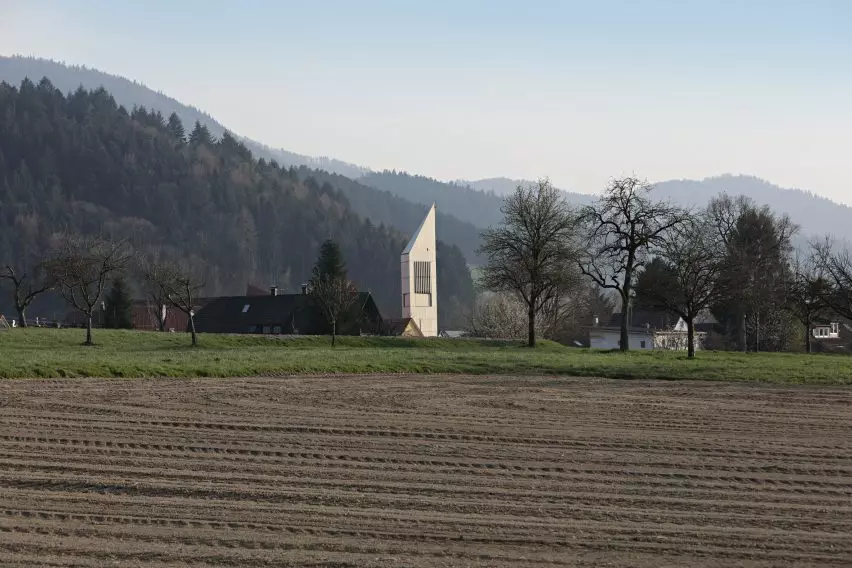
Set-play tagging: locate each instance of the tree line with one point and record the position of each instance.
(734, 258)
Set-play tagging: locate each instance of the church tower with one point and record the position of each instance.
(420, 277)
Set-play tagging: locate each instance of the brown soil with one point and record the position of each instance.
(423, 471)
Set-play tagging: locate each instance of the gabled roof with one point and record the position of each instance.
(416, 234)
(396, 327)
(646, 320)
(295, 313)
(662, 321)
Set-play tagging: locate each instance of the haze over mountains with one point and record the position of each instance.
(393, 198)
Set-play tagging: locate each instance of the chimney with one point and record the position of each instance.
(304, 288)
(273, 290)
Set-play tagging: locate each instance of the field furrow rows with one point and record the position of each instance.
(423, 471)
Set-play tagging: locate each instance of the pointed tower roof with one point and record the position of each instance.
(429, 216)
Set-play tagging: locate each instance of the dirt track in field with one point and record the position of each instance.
(423, 471)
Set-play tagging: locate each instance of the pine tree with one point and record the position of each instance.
(330, 262)
(118, 306)
(200, 135)
(175, 126)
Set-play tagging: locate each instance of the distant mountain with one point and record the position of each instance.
(814, 214)
(464, 206)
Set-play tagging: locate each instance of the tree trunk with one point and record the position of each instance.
(624, 337)
(22, 316)
(89, 330)
(743, 334)
(757, 332)
(808, 336)
(531, 333)
(192, 329)
(690, 338)
(624, 340)
(333, 332)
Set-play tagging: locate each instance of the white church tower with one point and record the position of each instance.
(420, 277)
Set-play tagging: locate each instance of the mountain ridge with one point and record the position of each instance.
(464, 205)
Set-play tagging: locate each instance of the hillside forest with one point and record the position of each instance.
(82, 165)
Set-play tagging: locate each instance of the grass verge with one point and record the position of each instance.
(59, 353)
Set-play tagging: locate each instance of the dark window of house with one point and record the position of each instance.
(266, 329)
(422, 277)
(642, 345)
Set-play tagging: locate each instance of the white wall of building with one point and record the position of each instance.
(419, 280)
(609, 339)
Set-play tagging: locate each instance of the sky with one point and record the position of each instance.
(576, 91)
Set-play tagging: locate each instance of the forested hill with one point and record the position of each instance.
(83, 164)
(379, 206)
(68, 78)
(383, 207)
(481, 208)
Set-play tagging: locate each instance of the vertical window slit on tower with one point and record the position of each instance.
(422, 277)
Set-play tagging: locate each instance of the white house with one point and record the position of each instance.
(826, 330)
(650, 330)
(420, 277)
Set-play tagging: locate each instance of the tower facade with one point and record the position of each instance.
(420, 277)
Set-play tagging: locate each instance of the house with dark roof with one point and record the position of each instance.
(284, 314)
(651, 330)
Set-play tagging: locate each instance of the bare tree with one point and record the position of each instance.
(27, 286)
(155, 279)
(683, 279)
(168, 284)
(622, 228)
(183, 295)
(532, 253)
(808, 294)
(836, 263)
(81, 270)
(334, 296)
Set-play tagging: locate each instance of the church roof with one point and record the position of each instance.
(416, 234)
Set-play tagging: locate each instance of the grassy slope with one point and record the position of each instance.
(59, 353)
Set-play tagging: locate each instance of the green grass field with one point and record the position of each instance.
(60, 353)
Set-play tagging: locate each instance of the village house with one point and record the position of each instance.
(283, 314)
(651, 330)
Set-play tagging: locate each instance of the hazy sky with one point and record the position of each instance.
(578, 91)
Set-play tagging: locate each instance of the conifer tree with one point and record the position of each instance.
(118, 306)
(175, 126)
(330, 262)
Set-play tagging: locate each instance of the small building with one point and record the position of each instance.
(284, 314)
(651, 330)
(453, 333)
(403, 327)
(825, 329)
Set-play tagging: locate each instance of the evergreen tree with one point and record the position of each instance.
(175, 126)
(200, 135)
(330, 262)
(118, 306)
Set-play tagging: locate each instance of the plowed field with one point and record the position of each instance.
(423, 471)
